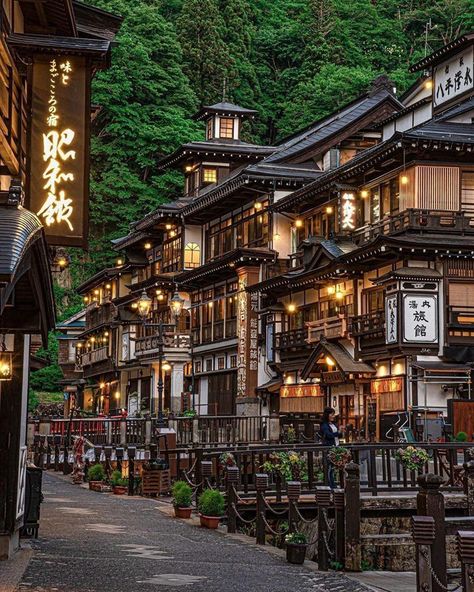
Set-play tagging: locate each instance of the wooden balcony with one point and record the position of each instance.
(422, 221)
(99, 314)
(369, 330)
(292, 345)
(101, 354)
(331, 328)
(460, 325)
(146, 346)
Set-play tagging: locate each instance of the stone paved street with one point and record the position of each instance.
(90, 542)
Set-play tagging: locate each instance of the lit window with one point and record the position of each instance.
(226, 129)
(221, 363)
(191, 256)
(209, 128)
(210, 176)
(233, 361)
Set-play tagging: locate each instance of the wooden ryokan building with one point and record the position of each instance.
(333, 268)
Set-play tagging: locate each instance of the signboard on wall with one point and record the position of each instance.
(453, 78)
(420, 318)
(59, 144)
(391, 318)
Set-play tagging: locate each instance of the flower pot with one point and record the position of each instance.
(295, 553)
(119, 489)
(209, 521)
(182, 512)
(95, 485)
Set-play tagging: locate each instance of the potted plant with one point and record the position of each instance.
(96, 477)
(119, 483)
(339, 456)
(411, 458)
(296, 544)
(211, 507)
(182, 499)
(227, 459)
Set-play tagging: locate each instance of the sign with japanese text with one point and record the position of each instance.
(247, 334)
(420, 318)
(453, 78)
(391, 319)
(348, 211)
(386, 385)
(301, 390)
(58, 190)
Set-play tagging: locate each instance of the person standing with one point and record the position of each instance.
(330, 435)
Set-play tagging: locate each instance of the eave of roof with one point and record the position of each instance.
(224, 108)
(443, 52)
(100, 276)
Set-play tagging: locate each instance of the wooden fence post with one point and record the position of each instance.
(233, 478)
(148, 431)
(469, 486)
(353, 551)
(49, 449)
(131, 451)
(206, 472)
(37, 449)
(423, 532)
(430, 502)
(57, 443)
(123, 431)
(119, 456)
(97, 454)
(466, 555)
(261, 485)
(198, 472)
(323, 500)
(293, 491)
(339, 524)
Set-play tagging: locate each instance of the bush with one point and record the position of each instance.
(211, 503)
(297, 538)
(96, 473)
(116, 477)
(182, 494)
(461, 437)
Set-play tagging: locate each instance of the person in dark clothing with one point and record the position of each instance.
(330, 435)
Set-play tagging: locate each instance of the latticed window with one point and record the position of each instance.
(226, 127)
(191, 255)
(209, 175)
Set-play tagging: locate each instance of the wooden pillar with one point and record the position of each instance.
(353, 551)
(423, 532)
(430, 502)
(131, 451)
(261, 485)
(232, 482)
(13, 417)
(293, 491)
(339, 523)
(465, 542)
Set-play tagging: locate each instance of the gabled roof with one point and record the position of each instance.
(335, 123)
(344, 360)
(444, 52)
(95, 22)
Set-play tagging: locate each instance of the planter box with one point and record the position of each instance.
(183, 512)
(295, 553)
(209, 521)
(119, 489)
(156, 482)
(95, 485)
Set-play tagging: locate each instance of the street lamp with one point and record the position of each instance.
(144, 305)
(176, 305)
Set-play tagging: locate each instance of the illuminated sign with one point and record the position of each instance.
(386, 385)
(58, 190)
(348, 211)
(453, 78)
(300, 390)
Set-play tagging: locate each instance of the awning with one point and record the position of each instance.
(271, 386)
(343, 359)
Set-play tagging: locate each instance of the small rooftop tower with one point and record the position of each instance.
(223, 121)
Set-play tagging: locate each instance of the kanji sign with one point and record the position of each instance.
(453, 78)
(391, 319)
(420, 318)
(59, 141)
(348, 212)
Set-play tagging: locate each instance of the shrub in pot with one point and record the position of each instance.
(211, 505)
(96, 476)
(119, 483)
(296, 544)
(182, 499)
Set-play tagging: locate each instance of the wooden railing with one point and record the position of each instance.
(146, 345)
(289, 339)
(369, 325)
(417, 220)
(219, 430)
(99, 314)
(96, 355)
(330, 328)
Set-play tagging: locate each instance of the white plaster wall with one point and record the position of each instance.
(203, 395)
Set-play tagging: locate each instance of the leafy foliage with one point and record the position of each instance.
(182, 494)
(96, 473)
(211, 503)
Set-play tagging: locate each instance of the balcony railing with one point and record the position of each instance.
(97, 315)
(94, 356)
(291, 339)
(151, 343)
(369, 325)
(331, 327)
(417, 220)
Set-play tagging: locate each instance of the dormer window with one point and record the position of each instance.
(226, 128)
(209, 175)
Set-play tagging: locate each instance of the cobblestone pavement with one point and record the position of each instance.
(90, 542)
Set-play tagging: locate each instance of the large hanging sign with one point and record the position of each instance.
(420, 319)
(391, 319)
(58, 189)
(453, 78)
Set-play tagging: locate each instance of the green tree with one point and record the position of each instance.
(207, 61)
